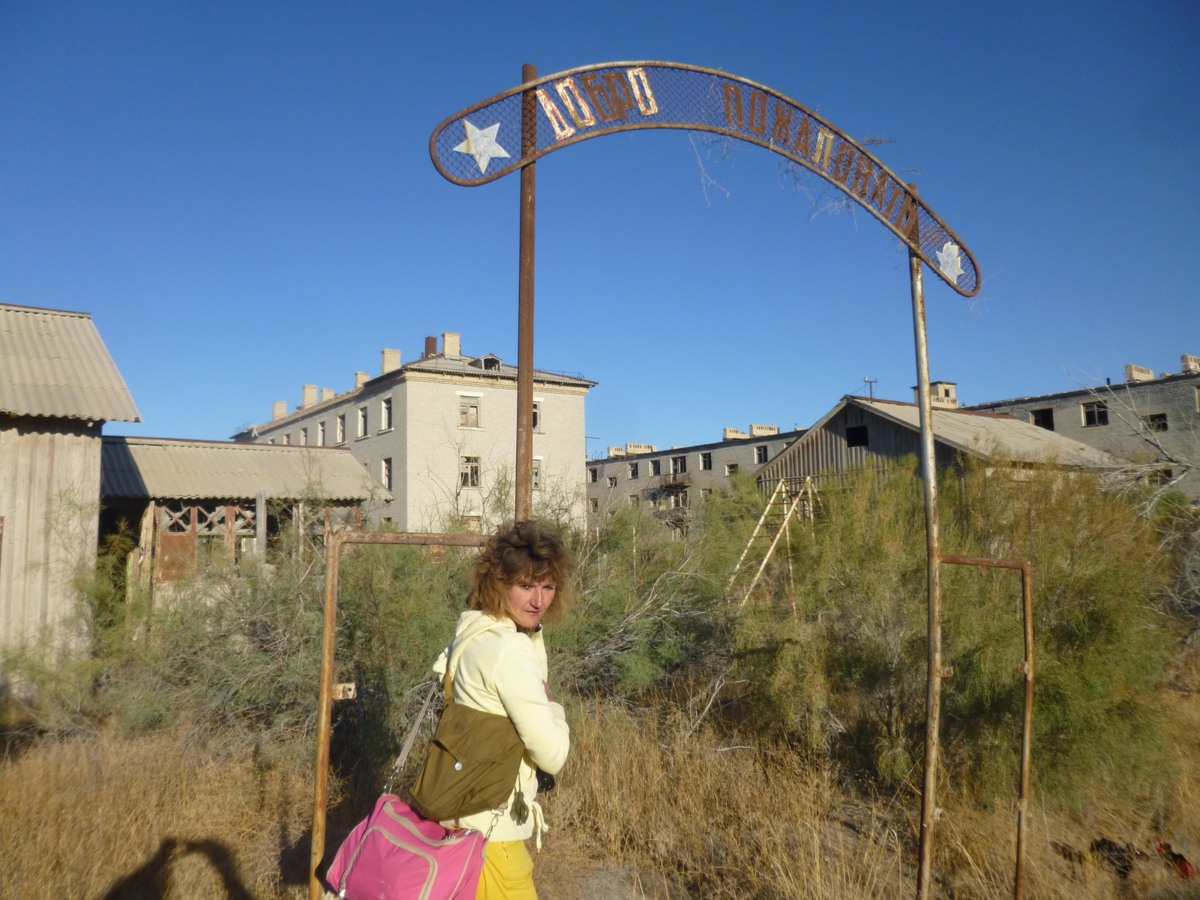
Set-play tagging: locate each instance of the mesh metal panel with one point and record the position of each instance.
(487, 141)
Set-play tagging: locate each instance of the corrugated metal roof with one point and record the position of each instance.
(992, 436)
(53, 363)
(165, 468)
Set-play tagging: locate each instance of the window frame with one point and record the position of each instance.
(656, 466)
(1043, 413)
(730, 468)
(466, 404)
(706, 462)
(469, 471)
(1097, 410)
(385, 414)
(341, 428)
(385, 472)
(679, 465)
(633, 471)
(321, 433)
(364, 422)
(761, 455)
(1151, 422)
(535, 474)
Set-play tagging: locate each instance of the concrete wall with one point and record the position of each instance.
(49, 498)
(1176, 396)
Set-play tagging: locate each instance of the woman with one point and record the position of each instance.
(498, 659)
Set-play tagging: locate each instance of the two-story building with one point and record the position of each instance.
(638, 474)
(439, 433)
(1147, 419)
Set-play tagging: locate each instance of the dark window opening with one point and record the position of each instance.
(706, 462)
(760, 454)
(656, 467)
(1155, 422)
(678, 465)
(856, 436)
(1043, 418)
(1095, 413)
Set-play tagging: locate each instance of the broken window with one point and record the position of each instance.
(594, 504)
(612, 481)
(537, 416)
(1043, 418)
(468, 471)
(385, 472)
(633, 470)
(634, 500)
(678, 465)
(760, 454)
(1155, 422)
(385, 414)
(362, 421)
(856, 435)
(320, 434)
(1095, 413)
(593, 475)
(468, 412)
(535, 475)
(706, 462)
(730, 468)
(304, 437)
(679, 500)
(341, 428)
(287, 439)
(656, 467)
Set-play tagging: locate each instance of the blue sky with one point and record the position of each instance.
(241, 195)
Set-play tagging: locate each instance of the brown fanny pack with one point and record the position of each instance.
(473, 761)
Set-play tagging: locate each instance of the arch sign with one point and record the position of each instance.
(519, 126)
(493, 138)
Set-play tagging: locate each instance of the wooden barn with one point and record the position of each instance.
(863, 432)
(58, 386)
(187, 501)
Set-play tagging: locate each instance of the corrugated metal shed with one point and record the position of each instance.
(53, 363)
(893, 427)
(992, 436)
(165, 468)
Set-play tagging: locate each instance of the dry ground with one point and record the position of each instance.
(648, 808)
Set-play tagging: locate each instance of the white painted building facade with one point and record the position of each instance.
(440, 434)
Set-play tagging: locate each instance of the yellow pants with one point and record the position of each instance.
(507, 873)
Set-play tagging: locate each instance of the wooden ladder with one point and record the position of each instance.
(772, 525)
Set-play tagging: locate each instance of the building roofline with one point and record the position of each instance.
(46, 309)
(1080, 391)
(958, 409)
(243, 445)
(799, 432)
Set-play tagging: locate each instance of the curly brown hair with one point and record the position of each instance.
(523, 550)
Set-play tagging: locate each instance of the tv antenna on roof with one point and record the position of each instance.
(870, 383)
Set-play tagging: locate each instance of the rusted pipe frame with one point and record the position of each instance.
(530, 86)
(1026, 569)
(523, 505)
(933, 695)
(333, 548)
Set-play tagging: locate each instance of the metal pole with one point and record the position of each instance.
(1026, 569)
(525, 304)
(933, 696)
(324, 714)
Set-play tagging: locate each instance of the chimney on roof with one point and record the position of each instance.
(391, 361)
(450, 343)
(360, 378)
(1138, 373)
(941, 395)
(430, 347)
(279, 410)
(326, 394)
(309, 396)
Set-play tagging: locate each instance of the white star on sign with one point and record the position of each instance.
(481, 144)
(948, 261)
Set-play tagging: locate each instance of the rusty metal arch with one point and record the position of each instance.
(519, 126)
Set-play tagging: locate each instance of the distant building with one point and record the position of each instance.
(439, 433)
(1127, 419)
(641, 474)
(185, 502)
(863, 432)
(58, 386)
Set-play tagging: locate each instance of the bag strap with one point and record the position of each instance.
(409, 739)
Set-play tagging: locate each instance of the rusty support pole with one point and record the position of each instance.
(525, 302)
(933, 695)
(324, 717)
(1026, 570)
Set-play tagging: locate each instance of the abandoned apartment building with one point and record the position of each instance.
(1148, 419)
(439, 433)
(638, 474)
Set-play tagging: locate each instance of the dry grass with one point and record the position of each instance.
(650, 806)
(151, 817)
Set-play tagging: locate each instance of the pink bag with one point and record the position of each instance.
(394, 854)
